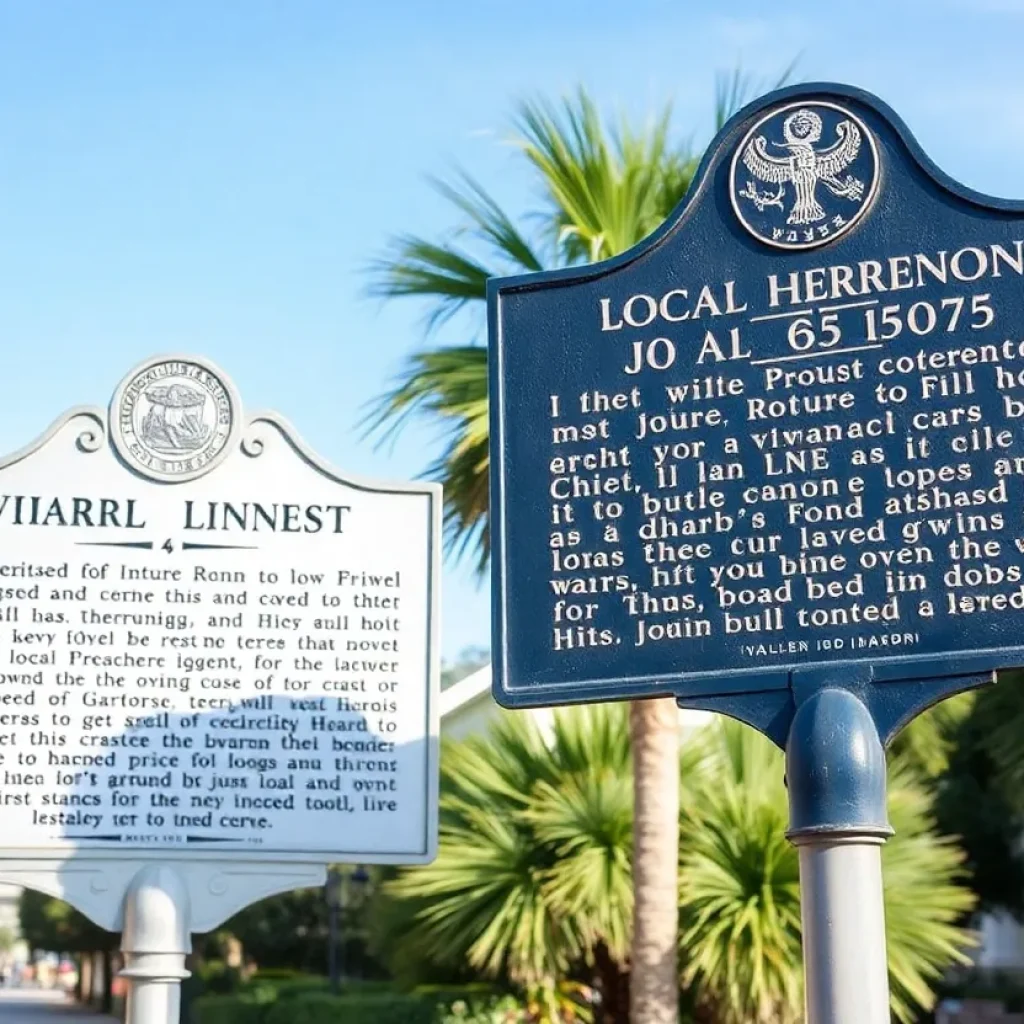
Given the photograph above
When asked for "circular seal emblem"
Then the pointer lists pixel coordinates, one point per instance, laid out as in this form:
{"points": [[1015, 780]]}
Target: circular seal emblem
{"points": [[174, 419], [804, 175]]}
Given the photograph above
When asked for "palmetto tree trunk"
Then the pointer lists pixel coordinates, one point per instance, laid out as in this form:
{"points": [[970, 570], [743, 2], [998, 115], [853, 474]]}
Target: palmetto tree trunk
{"points": [[654, 984]]}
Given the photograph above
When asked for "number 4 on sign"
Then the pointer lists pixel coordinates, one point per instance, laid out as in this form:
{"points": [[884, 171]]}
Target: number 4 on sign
{"points": [[168, 545]]}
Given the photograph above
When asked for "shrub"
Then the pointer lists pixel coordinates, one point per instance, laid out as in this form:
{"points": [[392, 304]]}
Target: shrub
{"points": [[237, 1009], [298, 986], [378, 1008], [476, 992], [276, 974], [280, 984], [489, 1010], [217, 978]]}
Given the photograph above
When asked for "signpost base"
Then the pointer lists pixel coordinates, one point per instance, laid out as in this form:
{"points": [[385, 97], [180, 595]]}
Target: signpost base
{"points": [[157, 906], [835, 767], [155, 942]]}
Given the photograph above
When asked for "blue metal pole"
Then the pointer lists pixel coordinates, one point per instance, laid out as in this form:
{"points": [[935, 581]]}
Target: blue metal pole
{"points": [[835, 770]]}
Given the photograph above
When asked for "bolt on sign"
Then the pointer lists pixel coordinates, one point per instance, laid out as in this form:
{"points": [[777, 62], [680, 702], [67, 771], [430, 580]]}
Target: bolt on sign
{"points": [[781, 439], [214, 644]]}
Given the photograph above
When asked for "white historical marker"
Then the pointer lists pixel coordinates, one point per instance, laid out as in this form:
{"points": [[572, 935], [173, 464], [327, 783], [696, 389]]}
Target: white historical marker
{"points": [[218, 664]]}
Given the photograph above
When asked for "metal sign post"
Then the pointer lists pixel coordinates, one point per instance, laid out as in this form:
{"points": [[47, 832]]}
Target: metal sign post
{"points": [[220, 667], [767, 462], [836, 767]]}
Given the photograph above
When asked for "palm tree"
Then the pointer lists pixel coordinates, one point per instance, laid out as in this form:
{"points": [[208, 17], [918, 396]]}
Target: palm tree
{"points": [[603, 190], [533, 874], [533, 881], [740, 889]]}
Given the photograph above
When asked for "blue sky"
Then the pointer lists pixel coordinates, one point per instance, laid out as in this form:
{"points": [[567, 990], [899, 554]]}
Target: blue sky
{"points": [[213, 177]]}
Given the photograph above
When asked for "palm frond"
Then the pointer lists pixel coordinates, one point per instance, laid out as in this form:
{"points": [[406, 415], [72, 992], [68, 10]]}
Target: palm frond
{"points": [[604, 187], [418, 268], [489, 223], [453, 272], [735, 89], [925, 745], [607, 188], [449, 385], [739, 904], [533, 868], [1004, 712]]}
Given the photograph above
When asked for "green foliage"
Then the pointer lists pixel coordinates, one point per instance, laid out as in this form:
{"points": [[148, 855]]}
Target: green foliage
{"points": [[287, 988], [979, 802], [384, 1008], [502, 1010], [289, 930], [228, 1009], [534, 872], [533, 867], [603, 186], [926, 897], [559, 1005], [1004, 713], [449, 385], [51, 924], [473, 994], [739, 882], [740, 899], [217, 978], [930, 740]]}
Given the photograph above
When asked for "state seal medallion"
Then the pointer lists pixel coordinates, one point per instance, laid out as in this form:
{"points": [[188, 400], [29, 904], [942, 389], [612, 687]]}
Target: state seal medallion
{"points": [[804, 175], [174, 419]]}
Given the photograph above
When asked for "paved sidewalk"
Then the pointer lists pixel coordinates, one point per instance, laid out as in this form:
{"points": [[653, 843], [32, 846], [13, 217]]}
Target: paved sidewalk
{"points": [[32, 1006]]}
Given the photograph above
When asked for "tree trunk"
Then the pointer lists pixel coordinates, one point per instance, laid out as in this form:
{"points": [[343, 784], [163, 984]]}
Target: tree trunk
{"points": [[80, 979], [108, 982], [654, 981]]}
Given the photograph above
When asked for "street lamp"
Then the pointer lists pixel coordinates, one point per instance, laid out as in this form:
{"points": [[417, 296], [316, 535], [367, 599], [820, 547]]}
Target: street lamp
{"points": [[335, 893]]}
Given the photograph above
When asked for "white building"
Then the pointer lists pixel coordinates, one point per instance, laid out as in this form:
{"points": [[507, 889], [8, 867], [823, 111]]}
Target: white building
{"points": [[467, 707]]}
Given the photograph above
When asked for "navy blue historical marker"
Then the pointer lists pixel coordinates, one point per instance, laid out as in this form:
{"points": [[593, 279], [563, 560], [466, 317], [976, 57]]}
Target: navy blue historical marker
{"points": [[777, 446]]}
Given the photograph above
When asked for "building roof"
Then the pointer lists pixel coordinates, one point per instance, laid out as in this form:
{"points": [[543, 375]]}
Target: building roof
{"points": [[478, 684], [465, 691]]}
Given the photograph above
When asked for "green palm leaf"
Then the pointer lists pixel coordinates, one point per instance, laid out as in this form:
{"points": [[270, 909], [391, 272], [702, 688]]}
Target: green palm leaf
{"points": [[606, 189], [534, 877], [450, 386], [602, 190], [740, 896]]}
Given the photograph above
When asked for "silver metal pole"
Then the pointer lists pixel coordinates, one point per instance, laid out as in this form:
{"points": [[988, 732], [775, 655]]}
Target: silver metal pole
{"points": [[835, 770], [843, 931], [155, 941]]}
